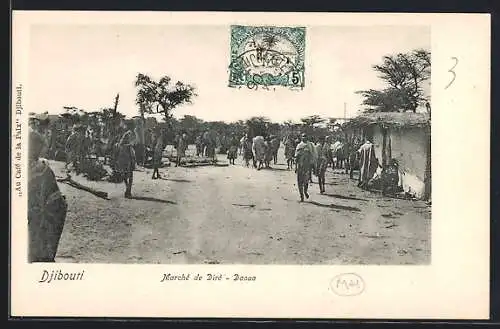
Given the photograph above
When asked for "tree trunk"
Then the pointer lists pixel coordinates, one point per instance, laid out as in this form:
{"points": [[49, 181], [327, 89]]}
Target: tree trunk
{"points": [[384, 147], [141, 148], [389, 148]]}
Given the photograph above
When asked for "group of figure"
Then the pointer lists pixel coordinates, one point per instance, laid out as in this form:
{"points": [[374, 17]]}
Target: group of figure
{"points": [[315, 157], [232, 152], [122, 150], [123, 156], [47, 206], [373, 173], [206, 144], [311, 158], [338, 156], [181, 145], [261, 150]]}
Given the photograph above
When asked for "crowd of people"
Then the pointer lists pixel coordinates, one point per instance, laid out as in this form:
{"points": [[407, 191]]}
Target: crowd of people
{"points": [[305, 155], [313, 155]]}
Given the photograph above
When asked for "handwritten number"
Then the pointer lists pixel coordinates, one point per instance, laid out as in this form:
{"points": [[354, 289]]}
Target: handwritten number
{"points": [[452, 72]]}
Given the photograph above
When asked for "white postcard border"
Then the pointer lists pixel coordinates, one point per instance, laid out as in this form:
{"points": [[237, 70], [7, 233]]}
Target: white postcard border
{"points": [[456, 285]]}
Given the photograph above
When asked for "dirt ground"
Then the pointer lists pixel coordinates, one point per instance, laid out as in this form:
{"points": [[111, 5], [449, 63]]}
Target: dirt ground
{"points": [[238, 215]]}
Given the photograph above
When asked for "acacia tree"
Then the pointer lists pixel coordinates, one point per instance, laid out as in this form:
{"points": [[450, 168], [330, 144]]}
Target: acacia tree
{"points": [[404, 74], [74, 114], [191, 125], [387, 100], [308, 124], [312, 120], [161, 96]]}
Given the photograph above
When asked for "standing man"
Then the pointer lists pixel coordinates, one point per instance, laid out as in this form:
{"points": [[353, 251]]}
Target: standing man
{"points": [[199, 145], [125, 163], [304, 160], [324, 154], [206, 142], [232, 153], [181, 148], [74, 147], [259, 152], [289, 151], [368, 163], [140, 145], [314, 162], [211, 143], [269, 152], [275, 145], [157, 146], [246, 149], [47, 207]]}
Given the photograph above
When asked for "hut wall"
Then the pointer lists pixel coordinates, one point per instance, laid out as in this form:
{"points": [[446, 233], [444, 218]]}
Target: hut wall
{"points": [[408, 147], [378, 142]]}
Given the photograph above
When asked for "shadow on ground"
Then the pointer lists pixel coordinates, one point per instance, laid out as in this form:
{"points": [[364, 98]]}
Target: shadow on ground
{"points": [[338, 196], [147, 198], [276, 169], [177, 180], [334, 206]]}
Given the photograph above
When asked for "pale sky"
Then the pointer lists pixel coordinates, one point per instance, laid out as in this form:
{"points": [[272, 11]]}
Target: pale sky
{"points": [[85, 66]]}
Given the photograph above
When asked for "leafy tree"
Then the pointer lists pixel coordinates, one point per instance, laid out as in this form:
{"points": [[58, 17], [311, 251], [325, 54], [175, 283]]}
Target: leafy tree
{"points": [[404, 74], [309, 125], [161, 96], [238, 128], [312, 120], [257, 126], [290, 128], [387, 100], [192, 126], [274, 129], [110, 118]]}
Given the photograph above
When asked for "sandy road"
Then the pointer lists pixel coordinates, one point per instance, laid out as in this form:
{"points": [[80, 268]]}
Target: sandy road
{"points": [[240, 215]]}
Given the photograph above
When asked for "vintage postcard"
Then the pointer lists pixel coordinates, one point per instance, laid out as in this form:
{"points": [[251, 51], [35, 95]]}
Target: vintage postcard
{"points": [[264, 165]]}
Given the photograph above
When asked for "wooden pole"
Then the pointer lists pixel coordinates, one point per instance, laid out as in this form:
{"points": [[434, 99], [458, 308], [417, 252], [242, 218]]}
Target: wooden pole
{"points": [[114, 116], [384, 147], [68, 180], [117, 98]]}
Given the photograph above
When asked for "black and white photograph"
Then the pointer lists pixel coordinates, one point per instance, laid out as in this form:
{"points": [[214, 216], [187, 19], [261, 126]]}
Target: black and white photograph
{"points": [[146, 153]]}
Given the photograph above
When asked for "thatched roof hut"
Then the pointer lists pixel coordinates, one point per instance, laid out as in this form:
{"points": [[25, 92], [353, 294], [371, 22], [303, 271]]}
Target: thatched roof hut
{"points": [[390, 120], [403, 136]]}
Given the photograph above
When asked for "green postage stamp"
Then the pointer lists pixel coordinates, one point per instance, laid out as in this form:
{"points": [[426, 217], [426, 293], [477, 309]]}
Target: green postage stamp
{"points": [[267, 56]]}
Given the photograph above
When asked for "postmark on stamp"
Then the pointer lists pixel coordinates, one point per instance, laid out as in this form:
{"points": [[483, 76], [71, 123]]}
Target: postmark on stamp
{"points": [[267, 56]]}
